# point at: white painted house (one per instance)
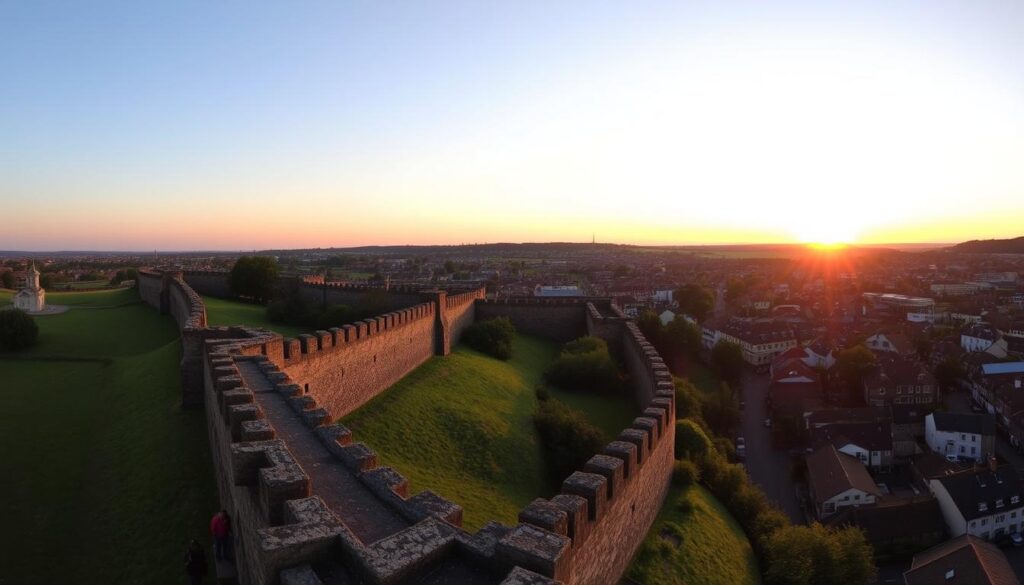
(959, 435)
(32, 298)
(985, 503)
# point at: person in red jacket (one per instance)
(220, 528)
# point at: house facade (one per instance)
(985, 503)
(963, 436)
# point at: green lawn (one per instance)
(229, 312)
(699, 546)
(106, 478)
(462, 426)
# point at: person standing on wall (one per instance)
(195, 563)
(220, 528)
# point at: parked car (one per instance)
(768, 423)
(1016, 539)
(975, 407)
(741, 448)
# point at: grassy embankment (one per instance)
(229, 312)
(694, 541)
(462, 426)
(106, 478)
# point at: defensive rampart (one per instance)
(345, 367)
(168, 292)
(270, 402)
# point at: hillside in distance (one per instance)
(1007, 246)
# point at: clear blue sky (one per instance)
(141, 125)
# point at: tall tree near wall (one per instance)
(695, 300)
(254, 277)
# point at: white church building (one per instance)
(32, 298)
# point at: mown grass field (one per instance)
(228, 312)
(462, 426)
(106, 478)
(702, 545)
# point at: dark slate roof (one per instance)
(965, 560)
(831, 473)
(962, 422)
(870, 436)
(894, 518)
(984, 486)
(905, 414)
(832, 416)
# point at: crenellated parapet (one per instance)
(311, 345)
(271, 400)
(289, 528)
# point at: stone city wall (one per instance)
(558, 319)
(283, 528)
(587, 534)
(345, 367)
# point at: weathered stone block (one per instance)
(544, 514)
(649, 426)
(257, 430)
(626, 452)
(611, 468)
(521, 576)
(638, 438)
(535, 549)
(591, 487)
(427, 504)
(576, 516)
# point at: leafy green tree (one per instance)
(691, 440)
(720, 410)
(584, 365)
(492, 336)
(7, 279)
(695, 300)
(688, 404)
(852, 364)
(650, 325)
(949, 372)
(812, 555)
(727, 359)
(680, 336)
(254, 277)
(18, 330)
(568, 439)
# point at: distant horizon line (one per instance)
(5, 253)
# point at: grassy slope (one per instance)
(107, 477)
(703, 546)
(462, 427)
(229, 312)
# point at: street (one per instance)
(769, 468)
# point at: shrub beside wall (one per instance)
(18, 330)
(492, 337)
(584, 365)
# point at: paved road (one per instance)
(769, 468)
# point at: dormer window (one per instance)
(999, 503)
(982, 506)
(1014, 499)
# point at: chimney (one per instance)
(992, 463)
